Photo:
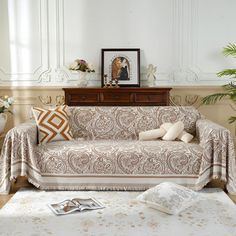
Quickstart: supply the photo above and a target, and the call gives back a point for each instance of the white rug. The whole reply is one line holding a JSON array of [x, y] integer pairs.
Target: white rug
[[27, 214]]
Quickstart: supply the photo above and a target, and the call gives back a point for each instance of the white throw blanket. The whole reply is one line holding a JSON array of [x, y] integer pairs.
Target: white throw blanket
[[27, 214]]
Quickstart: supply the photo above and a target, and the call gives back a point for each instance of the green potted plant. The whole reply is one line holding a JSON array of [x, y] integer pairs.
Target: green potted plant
[[230, 88]]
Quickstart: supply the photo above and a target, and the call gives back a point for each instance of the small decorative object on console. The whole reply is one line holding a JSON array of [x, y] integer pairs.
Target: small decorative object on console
[[105, 81], [121, 65], [151, 77], [83, 68], [110, 83], [169, 197], [81, 65]]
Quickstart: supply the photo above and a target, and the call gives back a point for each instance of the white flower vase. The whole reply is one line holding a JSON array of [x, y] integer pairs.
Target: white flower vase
[[83, 79], [3, 121]]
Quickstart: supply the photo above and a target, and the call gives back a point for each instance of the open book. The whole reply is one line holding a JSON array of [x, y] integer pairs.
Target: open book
[[76, 204]]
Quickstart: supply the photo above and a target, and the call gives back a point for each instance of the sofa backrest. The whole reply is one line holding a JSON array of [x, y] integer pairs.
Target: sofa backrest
[[119, 122]]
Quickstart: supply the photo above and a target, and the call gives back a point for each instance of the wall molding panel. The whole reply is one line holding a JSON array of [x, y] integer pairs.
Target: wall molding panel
[[38, 73], [197, 21], [62, 72], [183, 51]]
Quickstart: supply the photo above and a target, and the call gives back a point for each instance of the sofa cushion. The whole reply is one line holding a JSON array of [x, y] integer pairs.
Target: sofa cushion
[[185, 137], [151, 134], [106, 157], [169, 197], [53, 125], [125, 123], [172, 133]]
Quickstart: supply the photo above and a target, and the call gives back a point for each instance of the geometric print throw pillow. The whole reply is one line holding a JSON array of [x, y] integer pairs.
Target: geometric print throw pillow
[[53, 125]]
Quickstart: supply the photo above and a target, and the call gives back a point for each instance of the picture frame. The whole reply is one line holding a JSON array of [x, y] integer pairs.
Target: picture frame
[[121, 65]]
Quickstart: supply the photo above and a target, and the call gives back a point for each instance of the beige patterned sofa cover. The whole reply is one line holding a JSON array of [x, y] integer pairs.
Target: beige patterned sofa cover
[[106, 153]]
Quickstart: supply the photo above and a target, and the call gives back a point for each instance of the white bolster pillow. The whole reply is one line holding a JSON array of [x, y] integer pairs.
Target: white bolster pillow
[[166, 126], [152, 134], [173, 132]]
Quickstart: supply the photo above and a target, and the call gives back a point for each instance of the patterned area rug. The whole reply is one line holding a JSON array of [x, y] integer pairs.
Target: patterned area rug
[[27, 214]]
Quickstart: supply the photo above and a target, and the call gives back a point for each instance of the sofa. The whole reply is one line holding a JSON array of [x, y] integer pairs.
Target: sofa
[[106, 154]]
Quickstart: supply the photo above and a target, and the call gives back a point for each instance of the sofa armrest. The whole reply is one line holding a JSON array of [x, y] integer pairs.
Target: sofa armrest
[[218, 160], [207, 129], [18, 149], [27, 130]]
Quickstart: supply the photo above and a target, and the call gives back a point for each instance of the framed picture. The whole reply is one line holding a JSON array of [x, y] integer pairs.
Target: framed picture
[[122, 65]]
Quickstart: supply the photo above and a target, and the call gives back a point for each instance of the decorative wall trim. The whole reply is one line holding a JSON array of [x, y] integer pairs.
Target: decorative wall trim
[[50, 101], [41, 96], [192, 47], [24, 100], [185, 69], [188, 100], [41, 73], [62, 72]]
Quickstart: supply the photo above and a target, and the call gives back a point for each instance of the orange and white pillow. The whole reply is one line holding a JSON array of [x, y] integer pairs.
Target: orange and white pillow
[[53, 125]]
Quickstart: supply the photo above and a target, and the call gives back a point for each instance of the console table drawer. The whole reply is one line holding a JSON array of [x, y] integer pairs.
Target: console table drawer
[[150, 98], [84, 98], [116, 97]]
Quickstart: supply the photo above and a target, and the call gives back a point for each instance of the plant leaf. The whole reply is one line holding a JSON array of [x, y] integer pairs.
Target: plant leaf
[[230, 87], [230, 50], [232, 119], [227, 72], [213, 98]]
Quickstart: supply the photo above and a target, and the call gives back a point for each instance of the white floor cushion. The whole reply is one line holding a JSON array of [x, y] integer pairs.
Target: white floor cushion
[[169, 197]]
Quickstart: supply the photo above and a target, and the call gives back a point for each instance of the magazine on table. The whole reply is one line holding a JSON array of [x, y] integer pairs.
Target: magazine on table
[[76, 204]]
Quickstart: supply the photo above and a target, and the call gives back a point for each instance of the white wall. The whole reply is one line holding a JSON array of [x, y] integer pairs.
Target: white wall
[[183, 38]]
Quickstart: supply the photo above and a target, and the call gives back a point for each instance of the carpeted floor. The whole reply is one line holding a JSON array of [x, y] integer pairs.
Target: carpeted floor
[[27, 214]]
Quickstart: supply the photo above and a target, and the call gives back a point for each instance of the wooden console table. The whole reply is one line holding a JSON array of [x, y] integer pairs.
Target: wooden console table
[[117, 96]]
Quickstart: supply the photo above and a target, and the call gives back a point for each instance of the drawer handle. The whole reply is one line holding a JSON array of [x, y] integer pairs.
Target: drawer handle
[[83, 97], [115, 96]]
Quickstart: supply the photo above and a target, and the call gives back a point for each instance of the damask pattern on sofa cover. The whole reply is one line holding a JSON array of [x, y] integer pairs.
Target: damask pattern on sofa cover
[[110, 159], [123, 123]]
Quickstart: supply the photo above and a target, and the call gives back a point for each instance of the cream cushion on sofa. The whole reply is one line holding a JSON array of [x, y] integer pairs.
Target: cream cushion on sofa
[[158, 133], [152, 134], [166, 126], [169, 197], [174, 131], [185, 137]]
